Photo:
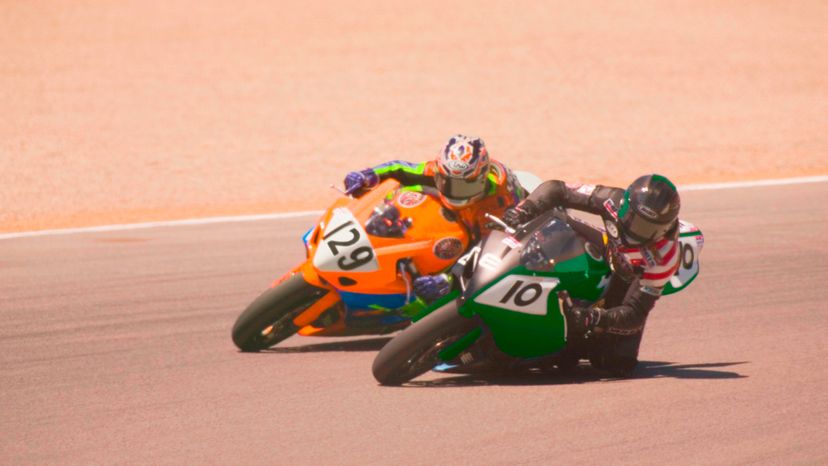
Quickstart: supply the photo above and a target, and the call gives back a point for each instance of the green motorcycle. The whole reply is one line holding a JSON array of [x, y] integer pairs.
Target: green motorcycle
[[513, 289]]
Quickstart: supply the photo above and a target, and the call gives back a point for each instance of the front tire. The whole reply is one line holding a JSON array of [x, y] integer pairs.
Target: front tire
[[416, 349], [269, 319]]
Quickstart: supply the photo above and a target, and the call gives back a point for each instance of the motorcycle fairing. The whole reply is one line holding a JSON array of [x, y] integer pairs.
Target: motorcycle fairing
[[520, 306], [691, 241]]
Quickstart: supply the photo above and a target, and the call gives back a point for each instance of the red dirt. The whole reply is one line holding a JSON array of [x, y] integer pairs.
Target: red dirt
[[129, 111]]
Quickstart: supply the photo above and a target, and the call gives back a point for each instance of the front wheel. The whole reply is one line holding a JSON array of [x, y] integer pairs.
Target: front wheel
[[269, 319], [416, 350]]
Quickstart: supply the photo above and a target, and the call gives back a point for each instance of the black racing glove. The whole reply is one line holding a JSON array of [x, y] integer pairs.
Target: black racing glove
[[523, 212], [581, 320]]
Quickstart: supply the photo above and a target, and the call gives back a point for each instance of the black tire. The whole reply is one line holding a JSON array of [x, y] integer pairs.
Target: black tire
[[269, 319], [415, 350]]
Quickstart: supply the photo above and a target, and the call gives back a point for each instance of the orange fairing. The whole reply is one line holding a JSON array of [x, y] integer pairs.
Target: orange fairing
[[430, 234], [432, 243], [313, 312]]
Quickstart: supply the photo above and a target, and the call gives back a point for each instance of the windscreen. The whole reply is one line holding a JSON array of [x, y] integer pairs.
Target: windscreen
[[553, 243]]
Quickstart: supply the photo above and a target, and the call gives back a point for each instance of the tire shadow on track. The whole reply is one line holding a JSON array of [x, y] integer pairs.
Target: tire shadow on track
[[369, 344], [585, 374]]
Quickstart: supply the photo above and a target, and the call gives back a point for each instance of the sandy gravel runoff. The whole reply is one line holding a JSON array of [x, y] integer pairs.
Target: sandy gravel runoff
[[148, 110]]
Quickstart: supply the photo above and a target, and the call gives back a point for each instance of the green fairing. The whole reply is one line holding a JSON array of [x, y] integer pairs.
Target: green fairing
[[669, 289], [435, 305], [526, 335], [460, 345]]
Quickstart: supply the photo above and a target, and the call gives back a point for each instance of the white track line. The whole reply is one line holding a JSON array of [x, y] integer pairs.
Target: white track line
[[167, 223], [308, 213], [753, 184]]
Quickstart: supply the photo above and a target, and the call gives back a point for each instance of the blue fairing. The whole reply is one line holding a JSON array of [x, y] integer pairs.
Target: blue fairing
[[307, 235], [372, 301], [363, 307]]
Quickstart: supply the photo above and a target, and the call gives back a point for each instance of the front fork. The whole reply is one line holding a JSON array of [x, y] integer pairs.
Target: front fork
[[328, 301]]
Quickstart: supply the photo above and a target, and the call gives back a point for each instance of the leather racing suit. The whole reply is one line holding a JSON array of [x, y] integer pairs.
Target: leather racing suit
[[639, 274]]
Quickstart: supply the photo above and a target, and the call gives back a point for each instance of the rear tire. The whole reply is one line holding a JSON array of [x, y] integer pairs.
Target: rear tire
[[416, 349], [269, 319]]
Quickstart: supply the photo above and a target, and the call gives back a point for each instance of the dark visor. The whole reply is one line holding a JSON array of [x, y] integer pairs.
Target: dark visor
[[460, 189], [641, 230]]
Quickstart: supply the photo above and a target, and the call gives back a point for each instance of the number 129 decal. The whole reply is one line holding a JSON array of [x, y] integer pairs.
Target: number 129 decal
[[520, 293], [345, 247]]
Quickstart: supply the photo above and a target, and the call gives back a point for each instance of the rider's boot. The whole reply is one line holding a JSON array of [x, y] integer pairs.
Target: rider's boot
[[616, 354]]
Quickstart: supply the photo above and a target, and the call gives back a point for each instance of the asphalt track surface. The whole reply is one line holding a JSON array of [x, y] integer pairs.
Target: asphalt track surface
[[115, 348]]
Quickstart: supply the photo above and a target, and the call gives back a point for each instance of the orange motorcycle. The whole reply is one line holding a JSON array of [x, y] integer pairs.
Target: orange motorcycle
[[361, 259]]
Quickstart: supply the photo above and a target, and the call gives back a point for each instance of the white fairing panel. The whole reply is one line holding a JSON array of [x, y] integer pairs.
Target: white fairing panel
[[520, 293], [690, 247], [345, 246], [529, 181]]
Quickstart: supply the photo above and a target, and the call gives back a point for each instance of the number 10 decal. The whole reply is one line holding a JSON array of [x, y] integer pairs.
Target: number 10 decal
[[688, 250], [520, 293], [524, 295]]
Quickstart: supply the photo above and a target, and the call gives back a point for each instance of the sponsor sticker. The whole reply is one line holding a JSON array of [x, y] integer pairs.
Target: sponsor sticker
[[457, 165], [647, 212], [652, 290], [410, 199], [586, 189], [610, 206], [448, 248], [489, 261], [511, 242], [648, 257]]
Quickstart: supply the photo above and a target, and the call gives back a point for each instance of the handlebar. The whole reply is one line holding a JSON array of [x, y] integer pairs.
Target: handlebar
[[501, 223], [340, 191]]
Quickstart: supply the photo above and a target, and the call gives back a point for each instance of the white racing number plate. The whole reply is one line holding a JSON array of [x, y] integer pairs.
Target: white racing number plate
[[520, 293], [689, 249], [345, 246]]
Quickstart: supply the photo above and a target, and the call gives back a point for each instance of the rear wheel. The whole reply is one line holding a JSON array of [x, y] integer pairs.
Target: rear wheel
[[269, 319], [416, 350]]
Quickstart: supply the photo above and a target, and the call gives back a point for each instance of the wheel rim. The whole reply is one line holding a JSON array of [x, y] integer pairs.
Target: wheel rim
[[277, 331], [425, 360]]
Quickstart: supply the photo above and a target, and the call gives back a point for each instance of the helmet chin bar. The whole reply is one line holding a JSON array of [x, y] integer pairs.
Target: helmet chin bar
[[458, 192], [632, 241], [458, 202]]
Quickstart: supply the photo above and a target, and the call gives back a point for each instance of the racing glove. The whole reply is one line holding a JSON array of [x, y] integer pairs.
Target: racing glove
[[355, 181], [524, 211], [582, 320], [430, 288]]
